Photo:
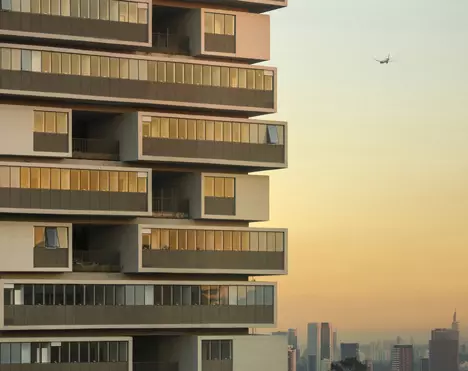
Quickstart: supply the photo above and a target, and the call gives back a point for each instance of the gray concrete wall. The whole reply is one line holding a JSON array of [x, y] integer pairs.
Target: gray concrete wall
[[17, 247], [17, 125]]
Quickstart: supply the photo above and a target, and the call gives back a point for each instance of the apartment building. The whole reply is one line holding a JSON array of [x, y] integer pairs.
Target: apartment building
[[129, 176]]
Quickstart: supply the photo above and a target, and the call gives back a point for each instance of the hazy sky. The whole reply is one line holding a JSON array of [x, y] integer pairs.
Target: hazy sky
[[376, 194]]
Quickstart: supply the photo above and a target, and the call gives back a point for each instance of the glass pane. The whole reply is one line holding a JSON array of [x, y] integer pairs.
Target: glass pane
[[253, 241], [65, 179], [218, 131], [197, 74], [236, 132], [209, 186], [253, 133], [39, 121], [35, 174], [242, 78], [215, 76], [225, 77], [232, 295], [62, 123], [104, 181], [65, 8], [84, 180], [259, 295], [241, 295], [236, 241], [233, 77], [245, 133], [188, 74], [209, 130], [114, 10], [170, 72], [142, 13], [262, 241], [219, 187], [132, 12], [279, 245], [209, 240], [104, 9], [201, 129], [104, 66], [123, 11], [179, 73], [219, 24], [268, 291], [45, 178], [218, 235], [209, 22], [229, 24], [206, 75]]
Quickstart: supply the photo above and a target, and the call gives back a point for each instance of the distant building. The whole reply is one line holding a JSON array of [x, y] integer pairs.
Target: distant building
[[292, 364], [402, 358], [455, 323], [292, 338], [312, 364], [349, 350], [443, 350], [325, 365], [370, 365], [326, 352], [424, 364], [336, 349]]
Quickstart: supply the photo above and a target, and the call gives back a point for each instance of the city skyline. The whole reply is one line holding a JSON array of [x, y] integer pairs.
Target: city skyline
[[382, 184]]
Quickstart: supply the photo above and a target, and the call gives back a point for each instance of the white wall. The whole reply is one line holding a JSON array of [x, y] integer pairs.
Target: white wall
[[16, 126], [17, 247]]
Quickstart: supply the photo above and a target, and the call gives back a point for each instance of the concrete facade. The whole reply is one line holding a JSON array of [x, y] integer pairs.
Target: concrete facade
[[128, 153]]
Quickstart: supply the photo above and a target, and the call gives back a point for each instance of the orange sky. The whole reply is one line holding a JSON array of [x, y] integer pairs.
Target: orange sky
[[376, 194]]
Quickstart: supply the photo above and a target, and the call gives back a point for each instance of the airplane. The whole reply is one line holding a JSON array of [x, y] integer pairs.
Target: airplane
[[384, 61]]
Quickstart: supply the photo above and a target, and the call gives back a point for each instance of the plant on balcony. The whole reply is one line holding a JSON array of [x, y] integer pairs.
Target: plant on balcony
[[349, 364]]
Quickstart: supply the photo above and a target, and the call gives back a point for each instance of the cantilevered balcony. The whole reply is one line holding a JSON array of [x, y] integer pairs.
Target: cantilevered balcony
[[127, 304], [136, 79], [258, 6]]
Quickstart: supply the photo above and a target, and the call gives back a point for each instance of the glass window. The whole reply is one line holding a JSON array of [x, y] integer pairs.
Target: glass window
[[179, 73], [5, 350], [75, 10], [253, 241], [262, 241], [142, 70], [241, 295], [233, 77], [161, 71], [84, 8], [141, 184], [209, 186], [272, 134], [114, 68], [219, 24], [225, 77], [132, 181], [268, 295], [95, 65], [205, 295], [123, 181], [25, 353], [36, 61], [209, 130], [164, 239], [177, 295], [279, 244], [103, 351], [120, 295], [66, 63], [170, 72], [65, 8], [250, 295], [245, 241], [229, 24], [157, 295], [227, 240], [129, 295], [236, 241], [209, 22], [259, 295], [75, 64], [45, 6], [226, 349], [219, 187], [133, 66], [123, 351], [4, 177], [236, 132], [16, 59], [206, 75], [94, 180], [182, 131], [197, 74], [280, 130], [39, 121], [262, 136], [191, 239], [84, 352], [113, 181], [182, 239], [218, 240], [173, 237], [104, 9], [214, 295], [191, 129], [149, 295], [123, 66], [268, 84], [139, 295], [173, 128], [26, 60], [188, 73], [104, 181], [86, 65], [114, 10], [132, 12], [195, 295], [250, 79], [201, 129], [242, 78], [50, 122], [46, 62], [65, 179], [113, 351], [25, 180], [55, 178], [35, 6], [215, 76], [45, 178], [253, 133], [218, 131], [271, 239], [200, 242], [84, 180], [6, 59], [167, 295], [209, 240], [75, 180], [142, 13], [245, 133], [232, 295], [55, 7], [104, 61]]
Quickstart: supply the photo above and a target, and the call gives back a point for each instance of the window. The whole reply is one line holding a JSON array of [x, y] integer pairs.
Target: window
[[51, 237], [272, 134], [214, 350], [219, 24]]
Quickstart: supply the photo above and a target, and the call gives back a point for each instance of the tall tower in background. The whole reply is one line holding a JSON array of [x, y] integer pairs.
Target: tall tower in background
[[455, 323], [326, 347], [313, 346], [336, 349], [320, 345]]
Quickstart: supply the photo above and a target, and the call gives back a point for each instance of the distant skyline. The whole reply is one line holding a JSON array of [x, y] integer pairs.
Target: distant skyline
[[376, 196]]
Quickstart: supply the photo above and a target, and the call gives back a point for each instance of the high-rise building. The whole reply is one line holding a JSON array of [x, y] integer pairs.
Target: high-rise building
[[313, 346], [127, 154], [349, 350], [455, 323], [292, 359], [424, 364], [326, 344], [402, 357], [336, 349], [292, 337], [443, 350], [369, 365]]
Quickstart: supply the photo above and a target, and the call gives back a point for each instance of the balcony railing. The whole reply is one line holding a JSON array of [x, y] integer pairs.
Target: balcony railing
[[164, 42], [155, 366], [96, 261], [170, 207], [95, 149]]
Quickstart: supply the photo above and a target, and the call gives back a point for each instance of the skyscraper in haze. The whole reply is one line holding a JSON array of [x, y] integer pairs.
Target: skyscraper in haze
[[313, 346], [336, 349], [292, 359], [455, 323], [424, 364], [349, 350], [292, 337], [326, 348], [402, 357], [443, 350]]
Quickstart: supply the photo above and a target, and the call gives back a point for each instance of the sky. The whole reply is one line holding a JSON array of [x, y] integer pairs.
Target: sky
[[376, 194]]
